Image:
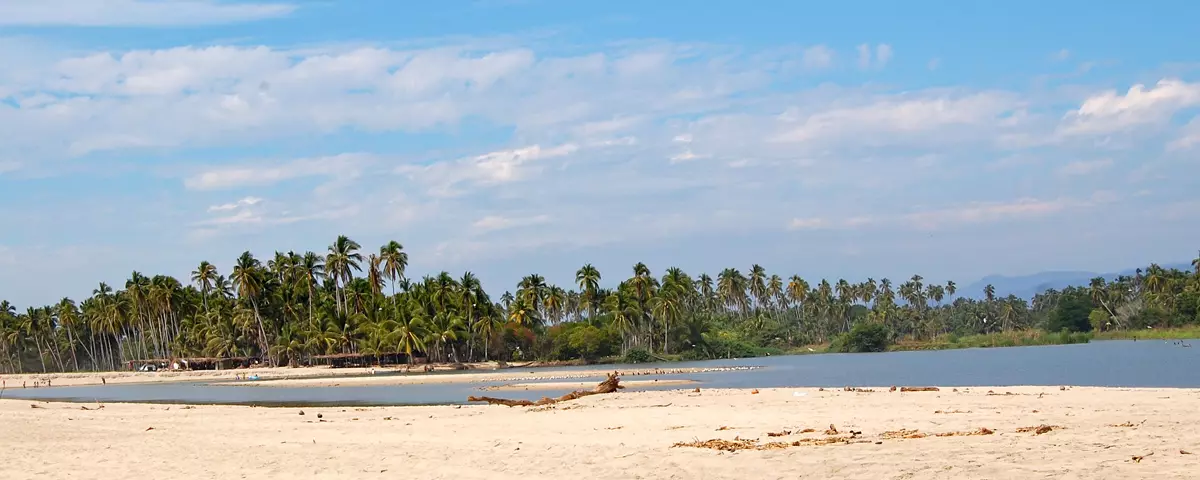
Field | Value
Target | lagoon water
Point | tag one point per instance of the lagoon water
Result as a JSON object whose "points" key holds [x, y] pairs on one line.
{"points": [[1146, 363]]}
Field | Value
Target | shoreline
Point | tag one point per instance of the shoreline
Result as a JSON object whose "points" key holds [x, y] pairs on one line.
{"points": [[326, 377], [323, 375], [1085, 432]]}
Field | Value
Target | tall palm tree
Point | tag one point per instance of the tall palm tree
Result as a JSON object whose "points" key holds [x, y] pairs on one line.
{"points": [[204, 276], [757, 285], [395, 261], [374, 274], [341, 262], [310, 271], [731, 288], [248, 279], [588, 279]]}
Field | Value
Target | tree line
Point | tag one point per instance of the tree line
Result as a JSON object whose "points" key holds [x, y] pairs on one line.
{"points": [[296, 306]]}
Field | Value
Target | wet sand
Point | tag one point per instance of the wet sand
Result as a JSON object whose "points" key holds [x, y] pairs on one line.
{"points": [[1092, 433]]}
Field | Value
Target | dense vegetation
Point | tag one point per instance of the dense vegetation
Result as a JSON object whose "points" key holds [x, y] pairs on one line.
{"points": [[296, 306]]}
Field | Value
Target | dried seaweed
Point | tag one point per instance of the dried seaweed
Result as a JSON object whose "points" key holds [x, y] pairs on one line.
{"points": [[1040, 429]]}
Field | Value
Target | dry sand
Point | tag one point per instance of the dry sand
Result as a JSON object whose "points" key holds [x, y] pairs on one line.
{"points": [[621, 436]]}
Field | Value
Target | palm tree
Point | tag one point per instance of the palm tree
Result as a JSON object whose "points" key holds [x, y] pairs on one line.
{"points": [[395, 261], [248, 279], [311, 270], [731, 288], [341, 262], [588, 279], [203, 276], [757, 285], [374, 275]]}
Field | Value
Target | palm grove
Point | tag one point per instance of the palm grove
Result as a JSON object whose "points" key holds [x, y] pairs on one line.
{"points": [[297, 306]]}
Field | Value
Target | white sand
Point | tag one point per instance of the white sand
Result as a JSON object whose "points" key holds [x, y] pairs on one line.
{"points": [[620, 436]]}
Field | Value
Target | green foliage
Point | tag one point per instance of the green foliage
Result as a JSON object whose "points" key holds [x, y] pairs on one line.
{"points": [[1072, 313], [580, 340], [637, 355], [1099, 319], [292, 307], [864, 337]]}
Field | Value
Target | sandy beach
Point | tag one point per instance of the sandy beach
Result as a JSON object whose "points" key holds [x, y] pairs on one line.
{"points": [[1088, 433]]}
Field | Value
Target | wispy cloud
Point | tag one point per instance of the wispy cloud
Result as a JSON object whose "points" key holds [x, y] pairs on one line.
{"points": [[498, 222], [245, 202], [136, 13], [445, 178], [1085, 167], [971, 213], [339, 166]]}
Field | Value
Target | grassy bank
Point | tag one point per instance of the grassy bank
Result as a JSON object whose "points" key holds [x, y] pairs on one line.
{"points": [[1023, 338], [1189, 332]]}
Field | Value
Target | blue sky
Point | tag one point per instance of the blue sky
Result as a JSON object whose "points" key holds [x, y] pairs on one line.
{"points": [[507, 137]]}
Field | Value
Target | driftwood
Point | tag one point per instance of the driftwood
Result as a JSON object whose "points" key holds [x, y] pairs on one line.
{"points": [[919, 389], [612, 384]]}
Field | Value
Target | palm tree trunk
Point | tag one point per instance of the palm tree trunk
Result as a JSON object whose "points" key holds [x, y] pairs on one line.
{"points": [[71, 338], [41, 355], [262, 333]]}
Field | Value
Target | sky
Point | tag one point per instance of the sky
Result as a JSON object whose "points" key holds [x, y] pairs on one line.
{"points": [[953, 139]]}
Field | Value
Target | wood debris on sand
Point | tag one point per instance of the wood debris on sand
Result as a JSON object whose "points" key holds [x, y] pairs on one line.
{"points": [[1040, 429], [920, 389], [612, 384]]}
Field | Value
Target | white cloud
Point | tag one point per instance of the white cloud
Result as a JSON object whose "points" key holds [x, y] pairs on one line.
{"points": [[196, 97], [445, 178], [883, 54], [1110, 112], [93, 13], [496, 222], [970, 213], [1085, 167], [1061, 55], [342, 166], [818, 57], [897, 114], [864, 56], [1189, 136], [245, 202], [934, 64], [807, 224], [685, 156]]}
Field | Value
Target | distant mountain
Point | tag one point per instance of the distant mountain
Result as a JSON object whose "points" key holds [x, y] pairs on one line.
{"points": [[1026, 286]]}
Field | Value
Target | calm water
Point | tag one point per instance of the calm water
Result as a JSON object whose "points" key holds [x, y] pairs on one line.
{"points": [[1114, 363]]}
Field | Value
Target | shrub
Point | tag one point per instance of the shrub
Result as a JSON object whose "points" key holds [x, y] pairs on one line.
{"points": [[638, 355], [1072, 312], [864, 337]]}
